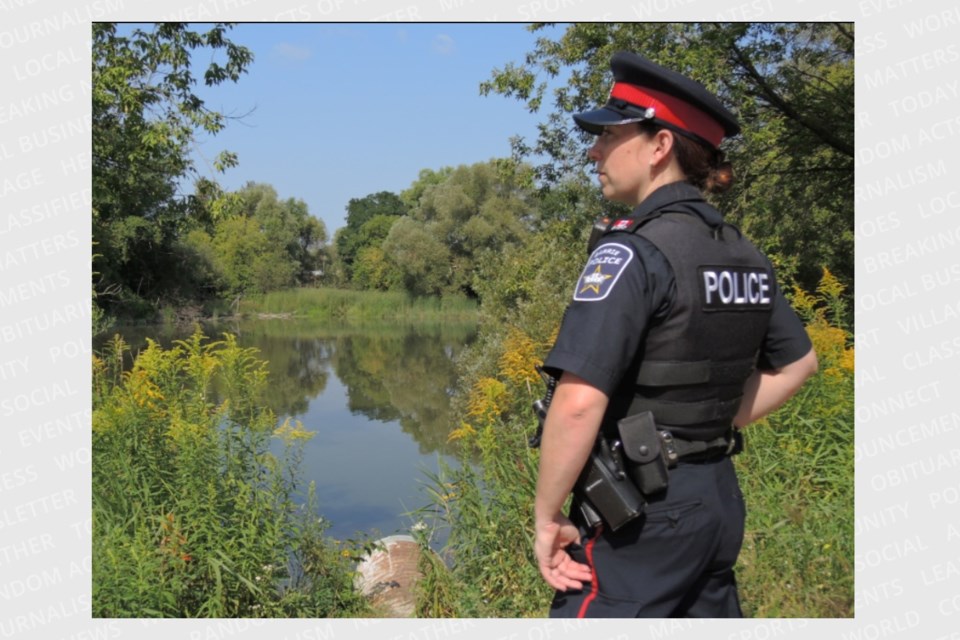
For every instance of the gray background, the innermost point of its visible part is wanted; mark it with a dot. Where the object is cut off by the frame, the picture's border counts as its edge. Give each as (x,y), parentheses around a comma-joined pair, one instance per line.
(907,310)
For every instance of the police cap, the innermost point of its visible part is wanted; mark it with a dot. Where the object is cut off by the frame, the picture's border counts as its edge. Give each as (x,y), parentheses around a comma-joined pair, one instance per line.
(643,90)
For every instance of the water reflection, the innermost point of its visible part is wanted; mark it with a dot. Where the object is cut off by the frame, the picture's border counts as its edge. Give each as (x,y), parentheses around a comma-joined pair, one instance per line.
(403,374)
(378,399)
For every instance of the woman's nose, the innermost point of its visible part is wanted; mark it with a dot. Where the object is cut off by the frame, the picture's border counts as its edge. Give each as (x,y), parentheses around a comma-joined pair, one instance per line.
(593,153)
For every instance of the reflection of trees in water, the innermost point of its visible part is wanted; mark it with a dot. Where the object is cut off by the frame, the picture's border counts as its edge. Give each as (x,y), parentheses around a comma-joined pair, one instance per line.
(299,368)
(402,374)
(406,378)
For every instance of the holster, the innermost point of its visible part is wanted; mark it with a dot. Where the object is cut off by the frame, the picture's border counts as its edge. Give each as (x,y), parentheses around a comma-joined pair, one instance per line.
(603,489)
(646,452)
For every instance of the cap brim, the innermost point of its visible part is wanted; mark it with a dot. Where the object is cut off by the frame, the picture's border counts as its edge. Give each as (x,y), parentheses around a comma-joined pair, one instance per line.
(594,121)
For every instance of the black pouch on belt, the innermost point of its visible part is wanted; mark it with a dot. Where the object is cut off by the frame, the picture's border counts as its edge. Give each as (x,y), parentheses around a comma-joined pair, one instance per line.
(642,447)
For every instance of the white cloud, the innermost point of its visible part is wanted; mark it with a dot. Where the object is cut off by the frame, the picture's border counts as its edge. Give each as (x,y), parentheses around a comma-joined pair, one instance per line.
(291,51)
(443,44)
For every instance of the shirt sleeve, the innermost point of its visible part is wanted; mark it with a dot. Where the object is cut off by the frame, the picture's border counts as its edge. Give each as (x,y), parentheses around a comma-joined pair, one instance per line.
(626,282)
(786,340)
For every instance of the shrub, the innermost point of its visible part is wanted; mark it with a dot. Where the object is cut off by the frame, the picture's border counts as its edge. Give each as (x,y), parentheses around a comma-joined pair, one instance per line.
(193,515)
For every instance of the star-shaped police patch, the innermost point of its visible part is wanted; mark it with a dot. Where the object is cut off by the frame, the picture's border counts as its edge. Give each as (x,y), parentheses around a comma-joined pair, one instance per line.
(602,271)
(594,281)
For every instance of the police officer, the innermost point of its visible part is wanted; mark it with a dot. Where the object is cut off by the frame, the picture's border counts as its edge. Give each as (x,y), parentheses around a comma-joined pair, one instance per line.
(675,313)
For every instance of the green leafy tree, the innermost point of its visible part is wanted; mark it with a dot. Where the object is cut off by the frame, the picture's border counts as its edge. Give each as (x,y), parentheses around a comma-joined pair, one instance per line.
(792,86)
(425,179)
(246,259)
(286,224)
(373,270)
(423,260)
(462,217)
(257,242)
(368,220)
(145,114)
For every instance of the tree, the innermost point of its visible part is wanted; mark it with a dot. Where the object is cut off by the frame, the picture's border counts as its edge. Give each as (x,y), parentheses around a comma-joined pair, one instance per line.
(463,216)
(257,242)
(423,260)
(286,224)
(385,207)
(246,259)
(792,85)
(145,114)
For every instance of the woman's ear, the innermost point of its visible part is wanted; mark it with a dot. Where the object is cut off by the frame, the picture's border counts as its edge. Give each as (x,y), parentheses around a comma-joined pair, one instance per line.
(663,144)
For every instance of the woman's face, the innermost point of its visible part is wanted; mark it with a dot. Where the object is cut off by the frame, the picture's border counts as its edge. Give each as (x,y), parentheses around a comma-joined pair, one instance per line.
(622,163)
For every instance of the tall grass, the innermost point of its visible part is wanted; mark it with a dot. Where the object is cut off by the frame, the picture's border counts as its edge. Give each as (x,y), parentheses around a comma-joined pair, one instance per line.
(192,514)
(488,506)
(796,474)
(359,306)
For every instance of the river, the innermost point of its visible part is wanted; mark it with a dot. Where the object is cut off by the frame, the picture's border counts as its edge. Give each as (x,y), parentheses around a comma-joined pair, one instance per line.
(378,400)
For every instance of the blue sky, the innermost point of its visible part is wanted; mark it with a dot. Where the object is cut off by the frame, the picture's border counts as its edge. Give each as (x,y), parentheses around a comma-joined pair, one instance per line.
(340,111)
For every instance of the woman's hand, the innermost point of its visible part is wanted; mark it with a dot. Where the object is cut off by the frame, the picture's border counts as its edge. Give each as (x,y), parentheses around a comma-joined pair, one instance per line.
(556,566)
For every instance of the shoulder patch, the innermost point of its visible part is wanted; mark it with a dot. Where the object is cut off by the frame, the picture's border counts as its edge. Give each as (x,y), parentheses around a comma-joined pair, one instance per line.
(603,269)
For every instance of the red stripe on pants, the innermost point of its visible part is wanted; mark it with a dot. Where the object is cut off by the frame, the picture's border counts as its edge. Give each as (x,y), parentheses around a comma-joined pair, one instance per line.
(593,575)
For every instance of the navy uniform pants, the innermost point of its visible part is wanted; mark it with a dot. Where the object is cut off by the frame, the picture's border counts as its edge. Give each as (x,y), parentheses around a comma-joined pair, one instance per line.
(674,561)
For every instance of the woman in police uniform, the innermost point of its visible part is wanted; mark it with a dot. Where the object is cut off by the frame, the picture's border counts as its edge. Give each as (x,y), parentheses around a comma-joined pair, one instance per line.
(678,315)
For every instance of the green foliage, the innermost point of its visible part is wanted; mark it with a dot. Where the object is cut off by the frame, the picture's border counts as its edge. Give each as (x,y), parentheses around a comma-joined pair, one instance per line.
(145,113)
(424,262)
(488,507)
(286,225)
(255,242)
(193,514)
(797,476)
(368,222)
(360,306)
(249,262)
(373,270)
(792,87)
(461,219)
(425,179)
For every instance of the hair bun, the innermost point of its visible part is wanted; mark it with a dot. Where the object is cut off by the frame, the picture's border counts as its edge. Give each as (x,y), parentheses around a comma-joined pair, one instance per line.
(720,178)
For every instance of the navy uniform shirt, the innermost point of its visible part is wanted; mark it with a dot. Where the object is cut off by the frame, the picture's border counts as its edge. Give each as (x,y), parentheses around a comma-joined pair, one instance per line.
(600,338)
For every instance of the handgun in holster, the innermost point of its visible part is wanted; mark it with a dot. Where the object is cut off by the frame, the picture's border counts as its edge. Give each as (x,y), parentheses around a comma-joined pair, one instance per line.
(603,492)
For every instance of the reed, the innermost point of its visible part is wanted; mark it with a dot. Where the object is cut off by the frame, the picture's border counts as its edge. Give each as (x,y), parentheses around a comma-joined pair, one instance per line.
(359,306)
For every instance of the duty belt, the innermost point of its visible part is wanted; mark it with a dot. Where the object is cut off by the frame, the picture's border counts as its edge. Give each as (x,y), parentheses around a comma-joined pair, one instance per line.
(677,449)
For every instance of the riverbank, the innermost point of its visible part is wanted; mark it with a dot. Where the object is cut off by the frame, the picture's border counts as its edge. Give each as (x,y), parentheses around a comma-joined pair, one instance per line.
(358,306)
(322,304)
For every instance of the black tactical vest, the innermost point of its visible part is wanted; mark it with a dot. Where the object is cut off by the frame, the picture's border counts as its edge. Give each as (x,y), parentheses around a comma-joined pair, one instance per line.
(695,362)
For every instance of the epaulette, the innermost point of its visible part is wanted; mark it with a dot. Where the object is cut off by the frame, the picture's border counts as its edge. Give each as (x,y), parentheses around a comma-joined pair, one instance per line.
(605,225)
(629,224)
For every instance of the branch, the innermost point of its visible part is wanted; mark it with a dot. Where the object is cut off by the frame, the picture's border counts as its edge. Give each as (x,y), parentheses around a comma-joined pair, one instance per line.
(814,76)
(775,99)
(844,31)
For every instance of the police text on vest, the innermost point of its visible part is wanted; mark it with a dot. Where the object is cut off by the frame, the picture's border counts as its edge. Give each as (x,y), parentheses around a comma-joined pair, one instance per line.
(735,287)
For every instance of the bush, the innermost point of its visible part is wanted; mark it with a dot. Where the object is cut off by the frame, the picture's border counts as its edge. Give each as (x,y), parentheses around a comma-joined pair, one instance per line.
(797,476)
(192,513)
